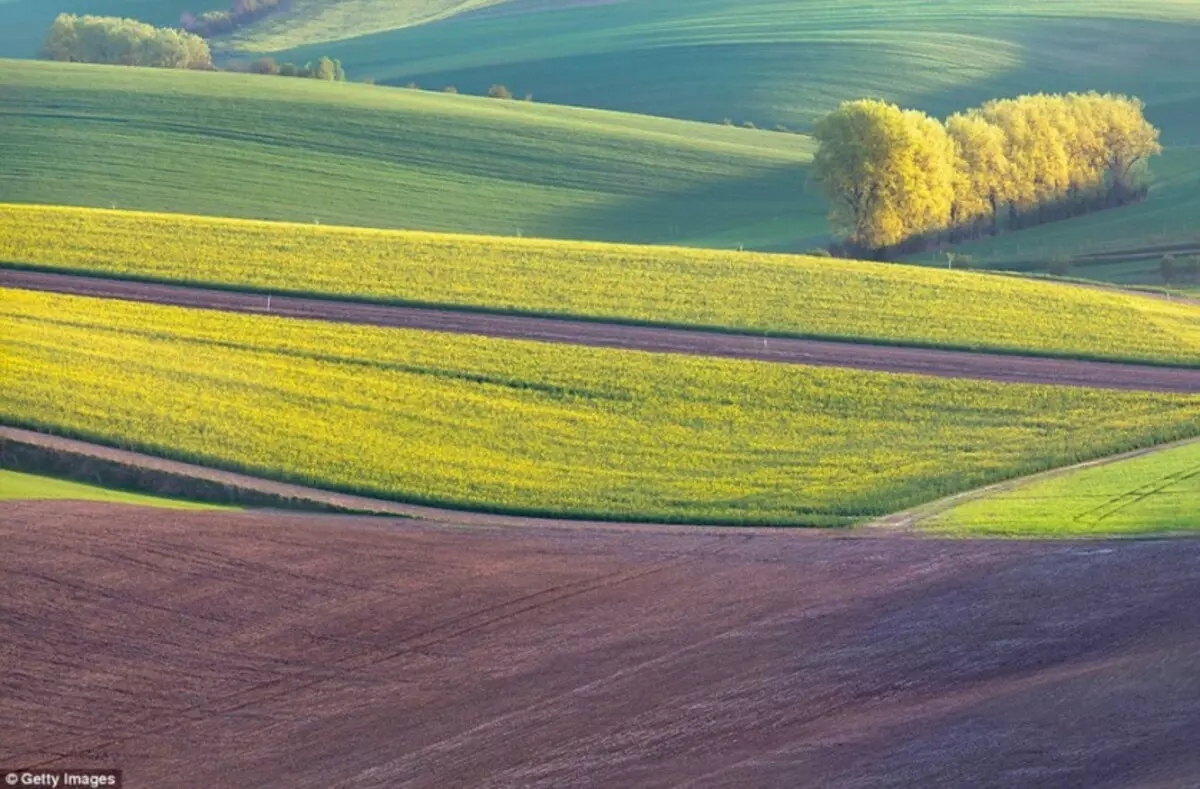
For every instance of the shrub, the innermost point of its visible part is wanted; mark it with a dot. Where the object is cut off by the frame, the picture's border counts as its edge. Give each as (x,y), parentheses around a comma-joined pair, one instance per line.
(1166,268)
(748,125)
(264,66)
(288,70)
(243,12)
(449,89)
(726,122)
(1191,268)
(499,92)
(1061,266)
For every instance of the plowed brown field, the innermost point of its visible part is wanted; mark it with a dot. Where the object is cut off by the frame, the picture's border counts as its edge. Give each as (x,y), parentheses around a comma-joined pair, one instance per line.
(266,650)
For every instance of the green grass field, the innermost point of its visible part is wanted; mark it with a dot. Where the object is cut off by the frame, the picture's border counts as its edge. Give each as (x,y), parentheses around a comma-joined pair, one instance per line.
(742,291)
(1157,492)
(315,21)
(15,486)
(277,148)
(786,61)
(541,429)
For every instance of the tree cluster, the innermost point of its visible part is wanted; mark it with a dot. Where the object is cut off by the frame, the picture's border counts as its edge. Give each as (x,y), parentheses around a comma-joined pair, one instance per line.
(97,39)
(243,12)
(900,181)
(328,69)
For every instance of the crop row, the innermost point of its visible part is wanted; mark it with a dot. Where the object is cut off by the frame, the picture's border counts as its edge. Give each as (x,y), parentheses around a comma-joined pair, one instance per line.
(537,428)
(726,290)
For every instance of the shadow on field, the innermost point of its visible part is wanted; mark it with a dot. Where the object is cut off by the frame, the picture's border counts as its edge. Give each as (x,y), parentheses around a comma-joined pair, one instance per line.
(776,211)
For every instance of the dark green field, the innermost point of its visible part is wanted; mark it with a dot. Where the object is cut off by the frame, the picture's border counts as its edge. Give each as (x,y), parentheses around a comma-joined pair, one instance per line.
(233,146)
(273,148)
(782,61)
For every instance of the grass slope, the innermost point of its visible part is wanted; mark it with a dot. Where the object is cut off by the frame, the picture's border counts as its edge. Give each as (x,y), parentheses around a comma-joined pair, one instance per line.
(1157,492)
(740,291)
(535,428)
(314,21)
(276,148)
(15,486)
(787,61)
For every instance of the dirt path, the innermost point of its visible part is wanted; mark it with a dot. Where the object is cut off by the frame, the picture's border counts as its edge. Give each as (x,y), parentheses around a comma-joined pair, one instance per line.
(212,649)
(942,363)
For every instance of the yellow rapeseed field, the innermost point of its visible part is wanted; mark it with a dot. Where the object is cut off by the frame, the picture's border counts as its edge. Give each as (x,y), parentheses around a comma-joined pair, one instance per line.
(729,290)
(537,428)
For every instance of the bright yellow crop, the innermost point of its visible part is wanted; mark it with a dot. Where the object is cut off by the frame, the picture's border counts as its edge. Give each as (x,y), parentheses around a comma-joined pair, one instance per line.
(530,427)
(741,291)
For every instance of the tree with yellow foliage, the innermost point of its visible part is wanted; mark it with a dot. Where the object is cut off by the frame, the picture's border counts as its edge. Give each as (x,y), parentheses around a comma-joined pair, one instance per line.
(888,172)
(895,175)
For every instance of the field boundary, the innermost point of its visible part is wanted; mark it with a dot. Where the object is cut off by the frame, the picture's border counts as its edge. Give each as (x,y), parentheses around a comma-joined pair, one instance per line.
(73,461)
(764,347)
(8,269)
(33,451)
(909,521)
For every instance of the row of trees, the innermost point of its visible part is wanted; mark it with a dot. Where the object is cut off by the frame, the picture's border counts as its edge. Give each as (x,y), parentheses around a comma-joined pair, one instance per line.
(329,69)
(243,12)
(95,39)
(495,91)
(899,180)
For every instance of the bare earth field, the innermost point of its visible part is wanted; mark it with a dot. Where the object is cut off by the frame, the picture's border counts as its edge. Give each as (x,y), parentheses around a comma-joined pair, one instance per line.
(1005,368)
(260,649)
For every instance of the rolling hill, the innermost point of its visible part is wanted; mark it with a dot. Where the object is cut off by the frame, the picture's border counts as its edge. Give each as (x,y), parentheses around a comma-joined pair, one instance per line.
(288,149)
(776,61)
(541,428)
(786,295)
(766,61)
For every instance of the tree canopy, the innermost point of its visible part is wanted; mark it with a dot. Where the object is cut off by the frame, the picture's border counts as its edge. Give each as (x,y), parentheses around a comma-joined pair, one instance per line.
(97,39)
(893,175)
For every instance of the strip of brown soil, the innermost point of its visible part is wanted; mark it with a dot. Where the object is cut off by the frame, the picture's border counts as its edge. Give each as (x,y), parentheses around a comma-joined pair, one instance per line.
(230,650)
(942,363)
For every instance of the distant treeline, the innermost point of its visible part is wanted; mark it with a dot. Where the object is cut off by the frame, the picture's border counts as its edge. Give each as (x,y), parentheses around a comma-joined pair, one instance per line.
(102,39)
(329,69)
(901,181)
(242,12)
(95,39)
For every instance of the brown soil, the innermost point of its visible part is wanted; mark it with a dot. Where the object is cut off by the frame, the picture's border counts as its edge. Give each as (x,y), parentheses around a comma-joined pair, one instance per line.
(943,363)
(219,650)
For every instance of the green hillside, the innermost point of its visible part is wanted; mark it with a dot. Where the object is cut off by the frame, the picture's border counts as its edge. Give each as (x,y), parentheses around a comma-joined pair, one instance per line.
(787,61)
(314,21)
(15,486)
(275,148)
(1158,492)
